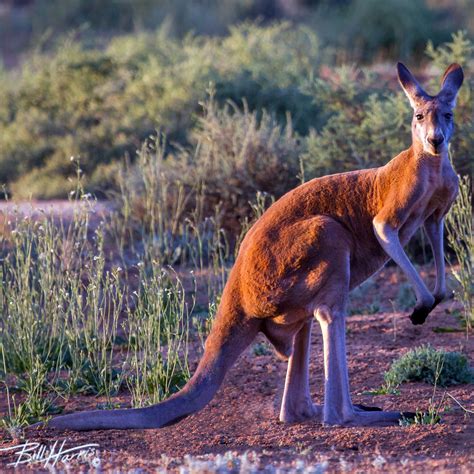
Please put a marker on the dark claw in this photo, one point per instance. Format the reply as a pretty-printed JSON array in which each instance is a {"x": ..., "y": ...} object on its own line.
[
  {"x": 366, "y": 408},
  {"x": 420, "y": 314}
]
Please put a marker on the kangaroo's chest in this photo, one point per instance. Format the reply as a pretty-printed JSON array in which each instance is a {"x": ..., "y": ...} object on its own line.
[{"x": 436, "y": 201}]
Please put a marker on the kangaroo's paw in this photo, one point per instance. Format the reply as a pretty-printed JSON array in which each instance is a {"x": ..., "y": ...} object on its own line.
[
  {"x": 420, "y": 313},
  {"x": 302, "y": 411}
]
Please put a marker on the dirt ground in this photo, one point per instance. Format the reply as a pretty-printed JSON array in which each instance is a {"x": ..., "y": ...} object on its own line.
[{"x": 243, "y": 415}]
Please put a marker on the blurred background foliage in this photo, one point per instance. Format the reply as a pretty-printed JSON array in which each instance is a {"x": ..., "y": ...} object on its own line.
[{"x": 253, "y": 95}]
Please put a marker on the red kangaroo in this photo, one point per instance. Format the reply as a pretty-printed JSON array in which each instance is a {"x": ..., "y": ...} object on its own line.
[{"x": 303, "y": 256}]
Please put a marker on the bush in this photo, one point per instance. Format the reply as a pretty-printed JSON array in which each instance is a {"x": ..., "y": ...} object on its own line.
[
  {"x": 100, "y": 105},
  {"x": 365, "y": 125},
  {"x": 395, "y": 28},
  {"x": 237, "y": 155},
  {"x": 426, "y": 364},
  {"x": 234, "y": 156},
  {"x": 461, "y": 241}
]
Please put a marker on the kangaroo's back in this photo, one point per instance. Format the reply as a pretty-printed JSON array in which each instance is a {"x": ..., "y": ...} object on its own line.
[{"x": 349, "y": 199}]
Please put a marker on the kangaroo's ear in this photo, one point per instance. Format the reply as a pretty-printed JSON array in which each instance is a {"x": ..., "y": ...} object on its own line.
[
  {"x": 451, "y": 83},
  {"x": 410, "y": 85}
]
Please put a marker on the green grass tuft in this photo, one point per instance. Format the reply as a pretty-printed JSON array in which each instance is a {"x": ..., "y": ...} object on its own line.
[{"x": 426, "y": 364}]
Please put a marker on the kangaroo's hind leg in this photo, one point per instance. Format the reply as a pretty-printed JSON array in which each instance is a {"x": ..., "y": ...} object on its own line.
[
  {"x": 338, "y": 408},
  {"x": 330, "y": 311},
  {"x": 297, "y": 404}
]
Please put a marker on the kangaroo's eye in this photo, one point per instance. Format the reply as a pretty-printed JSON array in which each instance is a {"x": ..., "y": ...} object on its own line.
[
  {"x": 448, "y": 116},
  {"x": 419, "y": 116}
]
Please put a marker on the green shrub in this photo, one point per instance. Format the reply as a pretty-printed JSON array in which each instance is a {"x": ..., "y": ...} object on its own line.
[
  {"x": 234, "y": 156},
  {"x": 367, "y": 28},
  {"x": 365, "y": 126},
  {"x": 158, "y": 333},
  {"x": 426, "y": 364},
  {"x": 99, "y": 105},
  {"x": 395, "y": 28},
  {"x": 237, "y": 155}
]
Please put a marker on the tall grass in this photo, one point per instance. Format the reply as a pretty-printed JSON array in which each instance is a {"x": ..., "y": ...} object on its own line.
[
  {"x": 87, "y": 306},
  {"x": 461, "y": 241},
  {"x": 158, "y": 335}
]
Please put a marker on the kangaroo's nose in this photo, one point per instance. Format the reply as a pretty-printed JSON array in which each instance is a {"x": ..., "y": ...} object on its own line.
[{"x": 436, "y": 141}]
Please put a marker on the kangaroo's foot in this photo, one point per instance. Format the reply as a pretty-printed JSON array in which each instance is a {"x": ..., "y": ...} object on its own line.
[
  {"x": 361, "y": 415},
  {"x": 301, "y": 411},
  {"x": 307, "y": 410},
  {"x": 379, "y": 418},
  {"x": 360, "y": 407},
  {"x": 423, "y": 308},
  {"x": 338, "y": 408}
]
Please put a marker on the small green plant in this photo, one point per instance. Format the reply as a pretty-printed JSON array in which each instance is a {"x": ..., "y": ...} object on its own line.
[
  {"x": 430, "y": 417},
  {"x": 433, "y": 415},
  {"x": 37, "y": 404},
  {"x": 382, "y": 390},
  {"x": 17, "y": 417},
  {"x": 461, "y": 240},
  {"x": 420, "y": 365},
  {"x": 94, "y": 335},
  {"x": 39, "y": 401}
]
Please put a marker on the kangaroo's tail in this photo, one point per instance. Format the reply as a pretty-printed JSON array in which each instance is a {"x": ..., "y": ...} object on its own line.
[{"x": 230, "y": 335}]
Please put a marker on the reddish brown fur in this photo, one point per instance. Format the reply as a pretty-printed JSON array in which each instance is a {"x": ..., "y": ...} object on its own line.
[
  {"x": 302, "y": 257},
  {"x": 278, "y": 271}
]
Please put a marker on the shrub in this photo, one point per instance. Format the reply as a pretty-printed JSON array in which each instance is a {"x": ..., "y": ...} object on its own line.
[
  {"x": 158, "y": 332},
  {"x": 364, "y": 126},
  {"x": 234, "y": 156},
  {"x": 237, "y": 155},
  {"x": 100, "y": 104},
  {"x": 394, "y": 28},
  {"x": 426, "y": 364}
]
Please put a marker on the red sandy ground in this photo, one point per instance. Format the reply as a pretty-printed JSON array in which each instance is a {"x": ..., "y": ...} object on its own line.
[{"x": 243, "y": 415}]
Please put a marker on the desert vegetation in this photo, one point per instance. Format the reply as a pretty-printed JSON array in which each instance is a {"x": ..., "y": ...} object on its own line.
[{"x": 186, "y": 137}]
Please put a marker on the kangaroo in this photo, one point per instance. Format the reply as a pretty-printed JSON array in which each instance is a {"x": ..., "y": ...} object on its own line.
[{"x": 300, "y": 260}]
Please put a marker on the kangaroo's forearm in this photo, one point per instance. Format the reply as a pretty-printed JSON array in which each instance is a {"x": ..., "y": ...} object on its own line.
[
  {"x": 390, "y": 242},
  {"x": 434, "y": 232}
]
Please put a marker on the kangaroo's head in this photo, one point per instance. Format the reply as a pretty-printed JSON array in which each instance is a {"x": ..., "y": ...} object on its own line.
[{"x": 432, "y": 124}]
